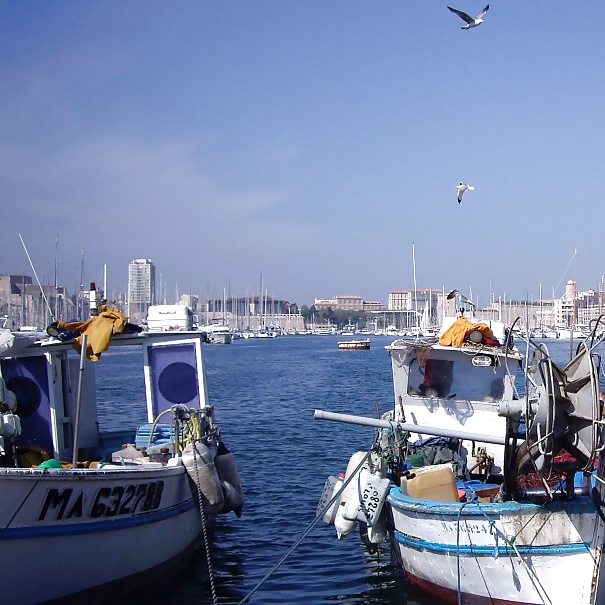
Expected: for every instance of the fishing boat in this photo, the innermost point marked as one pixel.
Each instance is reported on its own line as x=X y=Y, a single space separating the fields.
x=353 y=344
x=487 y=493
x=87 y=515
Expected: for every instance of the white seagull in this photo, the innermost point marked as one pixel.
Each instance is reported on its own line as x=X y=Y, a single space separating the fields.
x=462 y=187
x=470 y=22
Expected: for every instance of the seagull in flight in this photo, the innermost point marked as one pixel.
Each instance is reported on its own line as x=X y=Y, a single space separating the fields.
x=462 y=187
x=470 y=22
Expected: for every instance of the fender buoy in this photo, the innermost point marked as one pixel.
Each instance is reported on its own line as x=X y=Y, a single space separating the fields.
x=331 y=488
x=366 y=501
x=343 y=525
x=226 y=468
x=202 y=471
x=377 y=533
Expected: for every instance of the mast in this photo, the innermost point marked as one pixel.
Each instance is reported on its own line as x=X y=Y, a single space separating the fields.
x=105 y=283
x=23 y=309
x=81 y=293
x=37 y=280
x=56 y=316
x=415 y=291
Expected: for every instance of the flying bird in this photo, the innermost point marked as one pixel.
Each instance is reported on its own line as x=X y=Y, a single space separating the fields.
x=470 y=22
x=462 y=187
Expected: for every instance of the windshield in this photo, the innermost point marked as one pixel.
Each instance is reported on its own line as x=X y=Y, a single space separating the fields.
x=457 y=380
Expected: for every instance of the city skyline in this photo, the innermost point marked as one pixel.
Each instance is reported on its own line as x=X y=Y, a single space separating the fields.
x=142 y=287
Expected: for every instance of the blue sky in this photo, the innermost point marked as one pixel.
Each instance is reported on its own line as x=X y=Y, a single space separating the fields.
x=314 y=142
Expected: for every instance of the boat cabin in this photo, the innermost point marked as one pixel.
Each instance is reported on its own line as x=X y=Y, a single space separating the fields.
x=49 y=387
x=459 y=388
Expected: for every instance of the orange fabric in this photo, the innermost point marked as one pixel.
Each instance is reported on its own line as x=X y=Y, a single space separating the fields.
x=454 y=336
x=98 y=330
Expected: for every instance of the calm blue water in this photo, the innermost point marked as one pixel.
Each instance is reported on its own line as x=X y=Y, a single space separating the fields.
x=264 y=392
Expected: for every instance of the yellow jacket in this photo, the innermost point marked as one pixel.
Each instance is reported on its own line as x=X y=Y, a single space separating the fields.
x=98 y=330
x=454 y=336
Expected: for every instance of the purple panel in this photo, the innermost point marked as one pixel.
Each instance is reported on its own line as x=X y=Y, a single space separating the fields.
x=27 y=377
x=173 y=376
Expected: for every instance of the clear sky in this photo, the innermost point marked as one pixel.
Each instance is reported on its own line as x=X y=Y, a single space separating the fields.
x=315 y=142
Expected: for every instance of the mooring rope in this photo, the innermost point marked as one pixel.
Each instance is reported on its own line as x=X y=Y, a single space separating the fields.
x=307 y=530
x=204 y=527
x=510 y=542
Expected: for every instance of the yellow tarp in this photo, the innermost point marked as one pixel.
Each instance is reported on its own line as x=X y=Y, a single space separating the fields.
x=98 y=330
x=454 y=336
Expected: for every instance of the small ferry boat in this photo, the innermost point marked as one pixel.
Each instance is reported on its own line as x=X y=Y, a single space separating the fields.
x=352 y=344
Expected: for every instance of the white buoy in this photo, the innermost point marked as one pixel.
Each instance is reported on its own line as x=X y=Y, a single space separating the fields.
x=366 y=502
x=343 y=525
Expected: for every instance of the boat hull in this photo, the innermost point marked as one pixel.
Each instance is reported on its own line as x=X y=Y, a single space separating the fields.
x=499 y=553
x=92 y=529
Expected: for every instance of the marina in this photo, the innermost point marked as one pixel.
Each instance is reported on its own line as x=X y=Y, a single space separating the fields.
x=258 y=390
x=256 y=175
x=278 y=552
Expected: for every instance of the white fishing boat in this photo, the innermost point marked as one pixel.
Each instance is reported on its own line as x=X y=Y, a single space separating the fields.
x=85 y=515
x=528 y=525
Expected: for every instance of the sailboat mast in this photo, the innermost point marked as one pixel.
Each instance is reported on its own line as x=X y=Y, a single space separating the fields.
x=105 y=296
x=36 y=276
x=56 y=277
x=415 y=290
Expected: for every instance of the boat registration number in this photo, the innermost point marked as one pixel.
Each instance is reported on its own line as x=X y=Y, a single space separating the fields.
x=372 y=498
x=108 y=501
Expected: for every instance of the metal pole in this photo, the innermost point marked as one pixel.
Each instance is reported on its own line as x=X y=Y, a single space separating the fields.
x=74 y=457
x=412 y=428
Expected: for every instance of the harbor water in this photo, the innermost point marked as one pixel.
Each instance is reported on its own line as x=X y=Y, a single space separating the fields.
x=264 y=392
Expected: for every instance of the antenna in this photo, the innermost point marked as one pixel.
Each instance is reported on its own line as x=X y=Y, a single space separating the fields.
x=36 y=276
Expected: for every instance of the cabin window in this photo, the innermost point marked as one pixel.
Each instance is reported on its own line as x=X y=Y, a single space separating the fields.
x=460 y=380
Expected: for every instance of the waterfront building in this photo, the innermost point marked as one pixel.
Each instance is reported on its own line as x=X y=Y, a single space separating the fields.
x=413 y=300
x=23 y=302
x=373 y=306
x=347 y=303
x=141 y=288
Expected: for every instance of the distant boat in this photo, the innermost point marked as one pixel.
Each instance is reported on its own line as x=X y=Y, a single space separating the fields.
x=217 y=334
x=348 y=330
x=575 y=333
x=354 y=344
x=324 y=329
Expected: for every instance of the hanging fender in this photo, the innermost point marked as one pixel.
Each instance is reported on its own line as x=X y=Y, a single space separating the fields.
x=228 y=474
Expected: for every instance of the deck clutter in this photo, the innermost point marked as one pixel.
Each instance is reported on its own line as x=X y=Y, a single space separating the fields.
x=68 y=488
x=486 y=476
